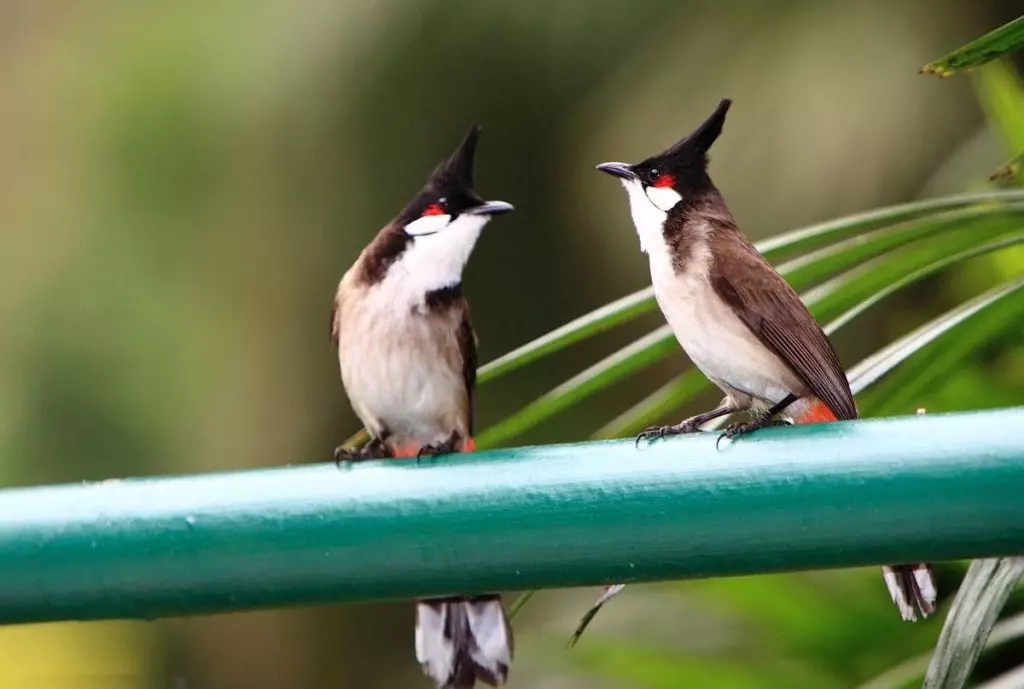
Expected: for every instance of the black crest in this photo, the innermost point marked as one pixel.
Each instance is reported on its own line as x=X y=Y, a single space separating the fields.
x=687 y=159
x=450 y=185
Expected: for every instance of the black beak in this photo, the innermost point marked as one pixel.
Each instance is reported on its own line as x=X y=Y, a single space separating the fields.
x=621 y=170
x=490 y=208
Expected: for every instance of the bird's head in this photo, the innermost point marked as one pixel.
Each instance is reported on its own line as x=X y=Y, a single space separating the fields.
x=658 y=184
x=438 y=229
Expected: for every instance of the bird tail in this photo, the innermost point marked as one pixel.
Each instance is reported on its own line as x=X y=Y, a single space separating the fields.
x=911 y=587
x=462 y=640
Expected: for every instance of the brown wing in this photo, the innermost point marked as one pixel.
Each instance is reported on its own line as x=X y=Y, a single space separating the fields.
x=450 y=306
x=467 y=350
x=774 y=312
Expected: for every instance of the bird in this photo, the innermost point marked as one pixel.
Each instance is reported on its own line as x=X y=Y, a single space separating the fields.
x=737 y=319
x=407 y=352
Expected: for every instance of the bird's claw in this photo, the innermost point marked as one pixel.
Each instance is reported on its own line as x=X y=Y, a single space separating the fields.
x=434 y=449
x=737 y=429
x=652 y=433
x=374 y=449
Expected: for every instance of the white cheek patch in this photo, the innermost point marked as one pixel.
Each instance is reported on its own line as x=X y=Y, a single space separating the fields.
x=428 y=224
x=663 y=198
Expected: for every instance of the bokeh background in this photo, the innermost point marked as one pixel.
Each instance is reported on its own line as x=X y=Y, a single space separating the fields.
x=182 y=184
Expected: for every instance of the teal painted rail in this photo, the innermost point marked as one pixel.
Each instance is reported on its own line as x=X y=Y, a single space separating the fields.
x=835 y=495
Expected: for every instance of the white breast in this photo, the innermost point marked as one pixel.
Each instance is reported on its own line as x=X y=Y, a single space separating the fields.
x=397 y=368
x=714 y=338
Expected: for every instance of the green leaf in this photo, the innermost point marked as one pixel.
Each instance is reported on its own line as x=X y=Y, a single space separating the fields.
x=1012 y=679
x=873 y=368
x=1001 y=41
x=880 y=270
x=1000 y=92
x=634 y=357
x=518 y=605
x=818 y=265
x=1007 y=630
x=971 y=618
x=608 y=316
x=840 y=228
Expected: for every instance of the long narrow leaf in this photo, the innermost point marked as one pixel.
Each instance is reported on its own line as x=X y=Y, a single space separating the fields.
x=977 y=605
x=1000 y=91
x=1010 y=629
x=1014 y=679
x=912 y=277
x=818 y=265
x=645 y=351
x=815 y=235
x=994 y=44
x=608 y=316
x=941 y=359
x=871 y=369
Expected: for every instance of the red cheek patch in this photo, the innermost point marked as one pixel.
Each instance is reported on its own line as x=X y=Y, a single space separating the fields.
x=434 y=209
x=665 y=181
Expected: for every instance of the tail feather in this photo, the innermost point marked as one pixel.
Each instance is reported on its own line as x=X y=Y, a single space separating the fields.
x=462 y=640
x=912 y=589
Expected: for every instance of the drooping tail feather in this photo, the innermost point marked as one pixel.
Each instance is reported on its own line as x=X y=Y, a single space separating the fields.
x=462 y=640
x=911 y=587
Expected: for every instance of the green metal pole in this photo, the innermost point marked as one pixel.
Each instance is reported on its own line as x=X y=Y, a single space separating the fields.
x=831 y=495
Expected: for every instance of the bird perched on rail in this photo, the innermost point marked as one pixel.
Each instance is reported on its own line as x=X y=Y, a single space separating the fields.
x=736 y=318
x=407 y=352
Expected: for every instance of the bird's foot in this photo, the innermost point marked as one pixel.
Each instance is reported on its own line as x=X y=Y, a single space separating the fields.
x=735 y=430
x=442 y=448
x=373 y=449
x=652 y=433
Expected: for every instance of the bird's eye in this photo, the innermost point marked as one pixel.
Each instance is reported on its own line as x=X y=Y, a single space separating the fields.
x=657 y=178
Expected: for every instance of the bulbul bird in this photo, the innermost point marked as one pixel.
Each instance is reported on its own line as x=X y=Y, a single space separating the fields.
x=737 y=319
x=408 y=360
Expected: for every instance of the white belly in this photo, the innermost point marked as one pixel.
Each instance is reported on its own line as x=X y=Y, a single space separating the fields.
x=397 y=376
x=719 y=343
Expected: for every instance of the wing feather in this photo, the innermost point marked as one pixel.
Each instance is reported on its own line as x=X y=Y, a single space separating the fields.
x=774 y=312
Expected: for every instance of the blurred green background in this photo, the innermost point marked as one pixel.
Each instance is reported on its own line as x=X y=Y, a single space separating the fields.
x=182 y=184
